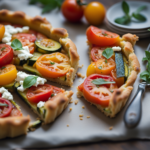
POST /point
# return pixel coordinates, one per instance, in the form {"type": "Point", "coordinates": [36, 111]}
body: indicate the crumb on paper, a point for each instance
{"type": "Point", "coordinates": [83, 107]}
{"type": "Point", "coordinates": [67, 125]}
{"type": "Point", "coordinates": [32, 129]}
{"type": "Point", "coordinates": [88, 116]}
{"type": "Point", "coordinates": [71, 86]}
{"type": "Point", "coordinates": [80, 115]}
{"type": "Point", "coordinates": [80, 66]}
{"type": "Point", "coordinates": [79, 80]}
{"type": "Point", "coordinates": [80, 75]}
{"type": "Point", "coordinates": [81, 118]}
{"type": "Point", "coordinates": [70, 108]}
{"type": "Point", "coordinates": [110, 128]}
{"type": "Point", "coordinates": [70, 102]}
{"type": "Point", "coordinates": [76, 102]}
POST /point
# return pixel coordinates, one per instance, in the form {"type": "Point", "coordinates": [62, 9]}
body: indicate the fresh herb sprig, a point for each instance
{"type": "Point", "coordinates": [16, 45]}
{"type": "Point", "coordinates": [29, 81]}
{"type": "Point", "coordinates": [48, 5]}
{"type": "Point", "coordinates": [127, 17]}
{"type": "Point", "coordinates": [101, 81]}
{"type": "Point", "coordinates": [107, 53]}
{"type": "Point", "coordinates": [145, 75]}
{"type": "Point", "coordinates": [2, 104]}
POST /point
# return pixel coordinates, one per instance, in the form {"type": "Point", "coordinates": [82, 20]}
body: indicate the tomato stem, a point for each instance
{"type": "Point", "coordinates": [80, 3]}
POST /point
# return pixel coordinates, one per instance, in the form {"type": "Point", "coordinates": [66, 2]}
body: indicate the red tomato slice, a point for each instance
{"type": "Point", "coordinates": [101, 37]}
{"type": "Point", "coordinates": [98, 94]}
{"type": "Point", "coordinates": [5, 110]}
{"type": "Point", "coordinates": [39, 93]}
{"type": "Point", "coordinates": [15, 112]}
{"type": "Point", "coordinates": [6, 54]}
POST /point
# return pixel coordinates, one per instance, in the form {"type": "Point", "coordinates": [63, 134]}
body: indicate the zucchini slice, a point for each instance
{"type": "Point", "coordinates": [32, 60]}
{"type": "Point", "coordinates": [9, 86]}
{"type": "Point", "coordinates": [126, 67]}
{"type": "Point", "coordinates": [47, 46]}
{"type": "Point", "coordinates": [120, 70]}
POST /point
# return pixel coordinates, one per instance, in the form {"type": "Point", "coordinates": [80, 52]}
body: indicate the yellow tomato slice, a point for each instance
{"type": "Point", "coordinates": [53, 65]}
{"type": "Point", "coordinates": [8, 74]}
{"type": "Point", "coordinates": [2, 31]}
{"type": "Point", "coordinates": [91, 69]}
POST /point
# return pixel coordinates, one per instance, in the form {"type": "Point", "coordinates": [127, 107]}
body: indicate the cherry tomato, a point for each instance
{"type": "Point", "coordinates": [8, 74]}
{"type": "Point", "coordinates": [5, 110]}
{"type": "Point", "coordinates": [72, 11]}
{"type": "Point", "coordinates": [53, 65]}
{"type": "Point", "coordinates": [101, 37]}
{"type": "Point", "coordinates": [6, 54]}
{"type": "Point", "coordinates": [2, 31]}
{"type": "Point", "coordinates": [104, 66]}
{"type": "Point", "coordinates": [94, 13]}
{"type": "Point", "coordinates": [98, 94]}
{"type": "Point", "coordinates": [119, 81]}
{"type": "Point", "coordinates": [39, 93]}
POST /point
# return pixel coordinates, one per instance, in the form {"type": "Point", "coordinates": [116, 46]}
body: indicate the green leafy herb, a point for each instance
{"type": "Point", "coordinates": [3, 48]}
{"type": "Point", "coordinates": [52, 95]}
{"type": "Point", "coordinates": [105, 60]}
{"type": "Point", "coordinates": [79, 2]}
{"type": "Point", "coordinates": [111, 91]}
{"type": "Point", "coordinates": [100, 67]}
{"type": "Point", "coordinates": [108, 52]}
{"type": "Point", "coordinates": [2, 67]}
{"type": "Point", "coordinates": [127, 17]}
{"type": "Point", "coordinates": [101, 81]}
{"type": "Point", "coordinates": [16, 45]}
{"type": "Point", "coordinates": [29, 81]}
{"type": "Point", "coordinates": [52, 63]}
{"type": "Point", "coordinates": [148, 29]}
{"type": "Point", "coordinates": [105, 34]}
{"type": "Point", "coordinates": [2, 104]}
{"type": "Point", "coordinates": [48, 5]}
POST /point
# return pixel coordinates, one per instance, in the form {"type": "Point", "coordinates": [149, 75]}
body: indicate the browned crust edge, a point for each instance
{"type": "Point", "coordinates": [121, 95]}
{"type": "Point", "coordinates": [13, 126]}
{"type": "Point", "coordinates": [43, 26]}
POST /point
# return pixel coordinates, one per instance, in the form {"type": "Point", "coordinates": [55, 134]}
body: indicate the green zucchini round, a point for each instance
{"type": "Point", "coordinates": [47, 46]}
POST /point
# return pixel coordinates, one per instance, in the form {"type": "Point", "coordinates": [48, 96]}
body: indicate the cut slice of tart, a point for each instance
{"type": "Point", "coordinates": [12, 122]}
{"type": "Point", "coordinates": [38, 37]}
{"type": "Point", "coordinates": [113, 71]}
{"type": "Point", "coordinates": [47, 101]}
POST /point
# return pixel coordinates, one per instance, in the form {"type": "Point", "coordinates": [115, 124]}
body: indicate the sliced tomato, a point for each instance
{"type": "Point", "coordinates": [8, 74]}
{"type": "Point", "coordinates": [15, 112]}
{"type": "Point", "coordinates": [80, 87]}
{"type": "Point", "coordinates": [53, 65]}
{"type": "Point", "coordinates": [101, 37]}
{"type": "Point", "coordinates": [2, 31]}
{"type": "Point", "coordinates": [39, 93]}
{"type": "Point", "coordinates": [98, 94]}
{"type": "Point", "coordinates": [6, 54]}
{"type": "Point", "coordinates": [5, 110]}
{"type": "Point", "coordinates": [0, 95]}
{"type": "Point", "coordinates": [40, 36]}
{"type": "Point", "coordinates": [104, 66]}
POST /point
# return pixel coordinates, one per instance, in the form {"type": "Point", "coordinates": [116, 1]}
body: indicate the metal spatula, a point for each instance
{"type": "Point", "coordinates": [133, 113]}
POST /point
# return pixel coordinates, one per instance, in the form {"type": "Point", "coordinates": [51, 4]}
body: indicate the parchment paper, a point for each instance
{"type": "Point", "coordinates": [96, 128]}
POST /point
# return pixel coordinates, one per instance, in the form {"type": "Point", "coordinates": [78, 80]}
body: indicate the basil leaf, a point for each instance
{"type": "Point", "coordinates": [147, 53]}
{"type": "Point", "coordinates": [101, 81]}
{"type": "Point", "coordinates": [29, 81]}
{"type": "Point", "coordinates": [33, 1]}
{"type": "Point", "coordinates": [123, 20]}
{"type": "Point", "coordinates": [125, 7]}
{"type": "Point", "coordinates": [49, 7]}
{"type": "Point", "coordinates": [144, 75]}
{"type": "Point", "coordinates": [100, 67]}
{"type": "Point", "coordinates": [108, 52]}
{"type": "Point", "coordinates": [52, 63]}
{"type": "Point", "coordinates": [16, 44]}
{"type": "Point", "coordinates": [141, 8]}
{"type": "Point", "coordinates": [3, 48]}
{"type": "Point", "coordinates": [148, 67]}
{"type": "Point", "coordinates": [139, 17]}
{"type": "Point", "coordinates": [145, 58]}
{"type": "Point", "coordinates": [2, 104]}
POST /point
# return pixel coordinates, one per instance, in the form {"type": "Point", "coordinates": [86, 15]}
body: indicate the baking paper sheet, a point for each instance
{"type": "Point", "coordinates": [96, 128]}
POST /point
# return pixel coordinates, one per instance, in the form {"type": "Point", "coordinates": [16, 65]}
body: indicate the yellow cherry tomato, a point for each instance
{"type": "Point", "coordinates": [91, 69]}
{"type": "Point", "coordinates": [94, 13]}
{"type": "Point", "coordinates": [8, 74]}
{"type": "Point", "coordinates": [2, 31]}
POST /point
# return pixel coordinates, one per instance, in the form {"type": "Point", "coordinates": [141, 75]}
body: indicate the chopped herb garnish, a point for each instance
{"type": "Point", "coordinates": [111, 91]}
{"type": "Point", "coordinates": [111, 36]}
{"type": "Point", "coordinates": [2, 104]}
{"type": "Point", "coordinates": [52, 63]}
{"type": "Point", "coordinates": [3, 67]}
{"type": "Point", "coordinates": [105, 60]}
{"type": "Point", "coordinates": [100, 67]}
{"type": "Point", "coordinates": [52, 95]}
{"type": "Point", "coordinates": [105, 34]}
{"type": "Point", "coordinates": [3, 48]}
{"type": "Point", "coordinates": [97, 86]}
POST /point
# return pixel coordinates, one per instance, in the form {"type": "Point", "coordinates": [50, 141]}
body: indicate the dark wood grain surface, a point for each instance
{"type": "Point", "coordinates": [109, 145]}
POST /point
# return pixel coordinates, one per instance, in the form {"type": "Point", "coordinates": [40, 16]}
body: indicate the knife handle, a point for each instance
{"type": "Point", "coordinates": [133, 113]}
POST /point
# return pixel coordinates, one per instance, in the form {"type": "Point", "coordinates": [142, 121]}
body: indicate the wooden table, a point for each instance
{"type": "Point", "coordinates": [109, 145]}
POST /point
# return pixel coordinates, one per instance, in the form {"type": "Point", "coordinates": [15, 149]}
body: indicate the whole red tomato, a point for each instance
{"type": "Point", "coordinates": [72, 11]}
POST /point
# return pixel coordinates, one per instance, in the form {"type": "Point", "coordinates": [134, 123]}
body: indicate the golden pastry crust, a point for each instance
{"type": "Point", "coordinates": [43, 26]}
{"type": "Point", "coordinates": [121, 95]}
{"type": "Point", "coordinates": [13, 126]}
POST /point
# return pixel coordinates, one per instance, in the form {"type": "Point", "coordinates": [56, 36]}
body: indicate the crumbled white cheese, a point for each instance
{"type": "Point", "coordinates": [40, 104]}
{"type": "Point", "coordinates": [23, 54]}
{"type": "Point", "coordinates": [116, 48]}
{"type": "Point", "coordinates": [22, 75]}
{"type": "Point", "coordinates": [9, 30]}
{"type": "Point", "coordinates": [5, 94]}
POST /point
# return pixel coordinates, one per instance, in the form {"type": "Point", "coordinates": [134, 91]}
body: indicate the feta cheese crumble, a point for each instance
{"type": "Point", "coordinates": [40, 104]}
{"type": "Point", "coordinates": [5, 94]}
{"type": "Point", "coordinates": [116, 48]}
{"type": "Point", "coordinates": [22, 75]}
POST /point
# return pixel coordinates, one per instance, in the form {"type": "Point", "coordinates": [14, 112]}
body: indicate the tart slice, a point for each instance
{"type": "Point", "coordinates": [38, 47]}
{"type": "Point", "coordinates": [112, 72]}
{"type": "Point", "coordinates": [45, 100]}
{"type": "Point", "coordinates": [12, 122]}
